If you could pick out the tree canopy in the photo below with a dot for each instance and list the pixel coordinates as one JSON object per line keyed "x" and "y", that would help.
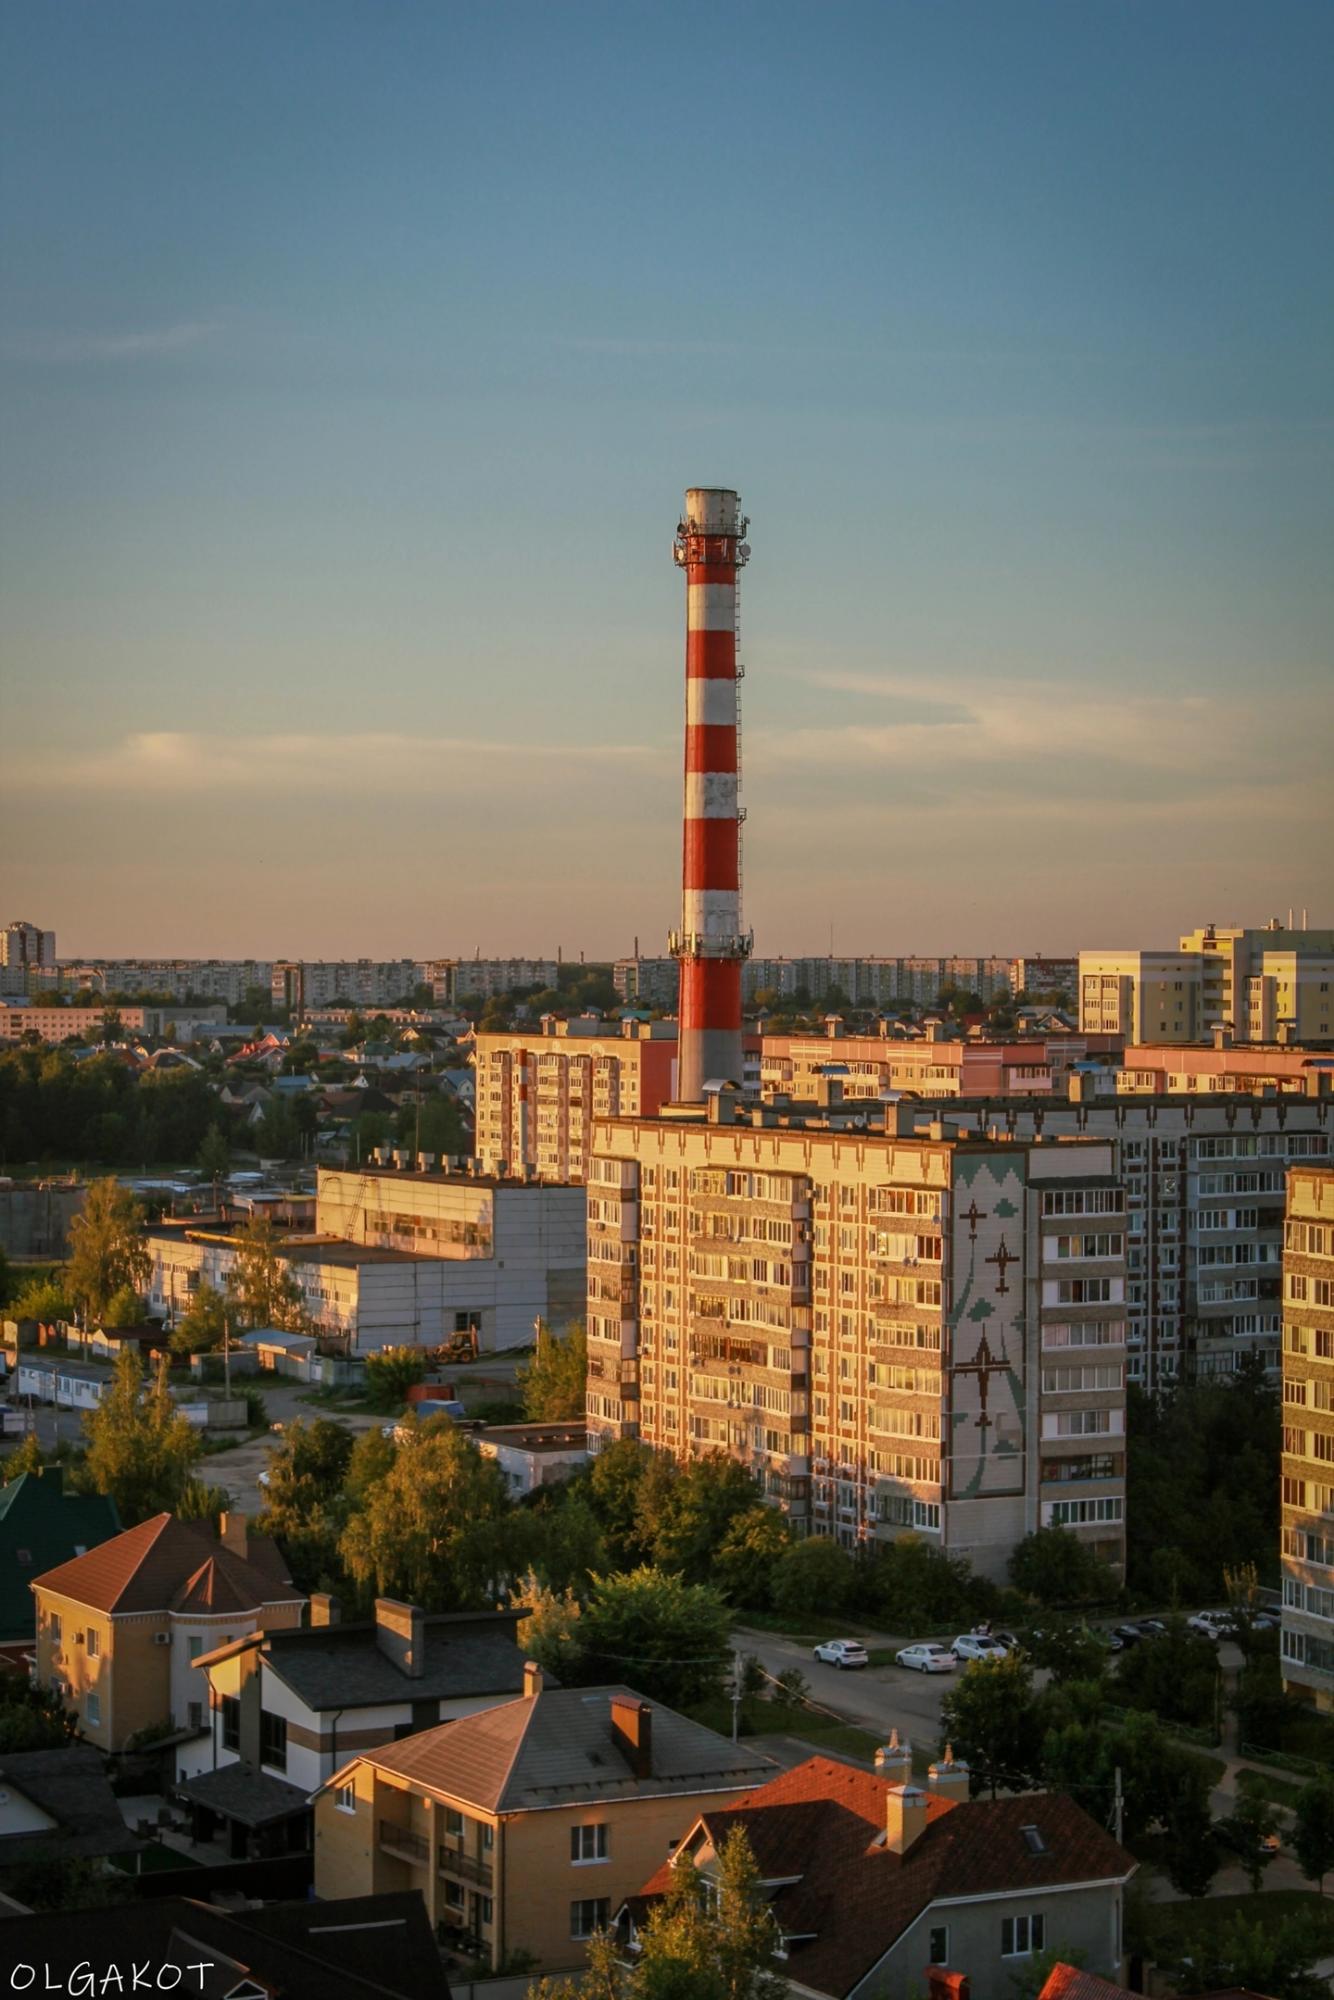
{"x": 140, "y": 1447}
{"x": 553, "y": 1382}
{"x": 108, "y": 1254}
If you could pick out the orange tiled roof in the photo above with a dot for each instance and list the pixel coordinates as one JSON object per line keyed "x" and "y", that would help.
{"x": 166, "y": 1564}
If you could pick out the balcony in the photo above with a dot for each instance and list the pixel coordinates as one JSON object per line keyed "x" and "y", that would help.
{"x": 450, "y": 1862}
{"x": 407, "y": 1846}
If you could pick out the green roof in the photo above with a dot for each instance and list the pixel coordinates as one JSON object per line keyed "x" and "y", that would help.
{"x": 42, "y": 1525}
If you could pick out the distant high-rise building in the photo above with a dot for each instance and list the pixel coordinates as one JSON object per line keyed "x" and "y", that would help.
{"x": 1307, "y": 1494}
{"x": 1275, "y": 984}
{"x": 538, "y": 1090}
{"x": 25, "y": 953}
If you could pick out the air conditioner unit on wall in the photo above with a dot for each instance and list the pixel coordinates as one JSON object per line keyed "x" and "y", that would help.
{"x": 162, "y": 1638}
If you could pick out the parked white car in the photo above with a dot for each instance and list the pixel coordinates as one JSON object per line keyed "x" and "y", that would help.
{"x": 978, "y": 1646}
{"x": 927, "y": 1659}
{"x": 843, "y": 1653}
{"x": 1213, "y": 1624}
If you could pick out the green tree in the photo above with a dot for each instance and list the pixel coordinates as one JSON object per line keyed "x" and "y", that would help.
{"x": 552, "y": 1631}
{"x": 719, "y": 1947}
{"x": 140, "y": 1447}
{"x": 260, "y": 1287}
{"x": 568, "y": 1546}
{"x": 1070, "y": 1651}
{"x": 995, "y": 1723}
{"x": 1054, "y": 1567}
{"x": 28, "y": 1457}
{"x": 431, "y": 1529}
{"x": 214, "y": 1158}
{"x": 391, "y": 1373}
{"x": 124, "y": 1308}
{"x": 553, "y": 1382}
{"x": 306, "y": 1503}
{"x": 1034, "y": 1973}
{"x": 686, "y": 1524}
{"x": 1313, "y": 1829}
{"x": 1274, "y": 1955}
{"x": 107, "y": 1248}
{"x": 202, "y": 1327}
{"x": 43, "y": 1299}
{"x": 664, "y": 1636}
{"x": 614, "y": 1482}
{"x": 913, "y": 1586}
{"x": 812, "y": 1578}
{"x": 1174, "y": 1675}
{"x": 31, "y": 1718}
{"x": 748, "y": 1554}
{"x": 1248, "y": 1830}
{"x": 372, "y": 1459}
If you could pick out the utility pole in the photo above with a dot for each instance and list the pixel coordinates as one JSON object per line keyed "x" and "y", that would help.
{"x": 1118, "y": 1809}
{"x": 736, "y": 1695}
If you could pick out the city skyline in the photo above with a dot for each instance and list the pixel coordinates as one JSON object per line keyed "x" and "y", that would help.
{"x": 1009, "y": 335}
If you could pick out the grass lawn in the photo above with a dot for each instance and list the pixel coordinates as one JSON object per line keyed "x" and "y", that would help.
{"x": 1176, "y": 1926}
{"x": 1268, "y": 1785}
{"x": 807, "y": 1633}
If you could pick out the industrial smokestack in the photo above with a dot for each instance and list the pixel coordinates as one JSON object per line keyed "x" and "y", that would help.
{"x": 710, "y": 945}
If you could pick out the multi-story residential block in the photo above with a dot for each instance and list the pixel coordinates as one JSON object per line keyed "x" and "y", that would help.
{"x": 1249, "y": 1070}
{"x": 647, "y": 982}
{"x": 298, "y": 1704}
{"x": 539, "y": 1090}
{"x": 404, "y": 1256}
{"x": 89, "y": 1024}
{"x": 526, "y": 1827}
{"x": 225, "y": 979}
{"x": 869, "y": 1066}
{"x": 1204, "y": 1179}
{"x": 35, "y": 1216}
{"x": 120, "y": 1628}
{"x": 299, "y": 984}
{"x": 1275, "y": 984}
{"x": 875, "y": 982}
{"x": 1307, "y": 1646}
{"x": 893, "y": 1330}
{"x": 1044, "y": 975}
{"x": 27, "y": 956}
{"x": 873, "y": 1884}
{"x": 484, "y": 978}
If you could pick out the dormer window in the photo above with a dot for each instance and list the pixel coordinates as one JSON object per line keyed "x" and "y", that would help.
{"x": 1033, "y": 1837}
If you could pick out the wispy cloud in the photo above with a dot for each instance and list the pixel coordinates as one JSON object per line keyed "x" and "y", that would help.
{"x": 144, "y": 344}
{"x": 198, "y": 761}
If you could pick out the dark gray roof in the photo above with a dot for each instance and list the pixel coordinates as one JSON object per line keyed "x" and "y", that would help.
{"x": 341, "y": 1666}
{"x": 355, "y": 1948}
{"x": 240, "y": 1792}
{"x": 71, "y": 1787}
{"x": 557, "y": 1748}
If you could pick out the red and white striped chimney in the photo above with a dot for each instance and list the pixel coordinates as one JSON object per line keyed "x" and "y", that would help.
{"x": 710, "y": 944}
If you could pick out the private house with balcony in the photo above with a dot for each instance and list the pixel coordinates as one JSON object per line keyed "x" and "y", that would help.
{"x": 526, "y": 1826}
{"x": 878, "y": 1886}
{"x": 120, "y": 1628}
{"x": 40, "y": 1526}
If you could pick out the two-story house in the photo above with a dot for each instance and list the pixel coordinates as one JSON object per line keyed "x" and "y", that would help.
{"x": 527, "y": 1825}
{"x": 119, "y": 1629}
{"x": 41, "y": 1525}
{"x": 874, "y": 1885}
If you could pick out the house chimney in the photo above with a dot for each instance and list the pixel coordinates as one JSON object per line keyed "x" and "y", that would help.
{"x": 400, "y": 1633}
{"x": 532, "y": 1680}
{"x": 893, "y": 1760}
{"x": 947, "y": 1779}
{"x": 943, "y": 1985}
{"x": 632, "y": 1732}
{"x": 828, "y": 1091}
{"x": 233, "y": 1535}
{"x": 324, "y": 1609}
{"x": 905, "y": 1817}
{"x": 1222, "y": 1035}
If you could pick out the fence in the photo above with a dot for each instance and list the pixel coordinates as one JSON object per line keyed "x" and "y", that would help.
{"x": 1208, "y": 1739}
{"x": 1284, "y": 1760}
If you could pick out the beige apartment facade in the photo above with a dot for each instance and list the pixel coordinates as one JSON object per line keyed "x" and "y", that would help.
{"x": 538, "y": 1092}
{"x": 1269, "y": 985}
{"x": 893, "y": 1331}
{"x": 1307, "y": 1644}
{"x": 526, "y": 1827}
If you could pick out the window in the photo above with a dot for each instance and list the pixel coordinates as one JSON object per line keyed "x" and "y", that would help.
{"x": 588, "y": 1843}
{"x": 94, "y": 1644}
{"x": 483, "y": 1908}
{"x": 1021, "y": 1936}
{"x": 196, "y": 1646}
{"x": 453, "y": 1894}
{"x": 345, "y": 1798}
{"x": 488, "y": 1837}
{"x": 231, "y": 1722}
{"x": 273, "y": 1740}
{"x": 195, "y": 1715}
{"x": 938, "y": 1952}
{"x": 453, "y": 1824}
{"x": 55, "y": 1628}
{"x": 589, "y": 1914}
{"x": 92, "y": 1710}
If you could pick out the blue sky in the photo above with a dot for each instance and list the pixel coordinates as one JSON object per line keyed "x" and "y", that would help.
{"x": 356, "y": 356}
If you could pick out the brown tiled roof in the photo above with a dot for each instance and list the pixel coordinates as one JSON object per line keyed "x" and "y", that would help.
{"x": 165, "y": 1564}
{"x": 1071, "y": 1982}
{"x": 823, "y": 1824}
{"x": 557, "y": 1748}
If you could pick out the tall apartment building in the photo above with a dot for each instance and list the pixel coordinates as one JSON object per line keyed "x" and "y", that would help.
{"x": 25, "y": 953}
{"x": 483, "y": 978}
{"x": 648, "y": 982}
{"x": 1044, "y": 975}
{"x": 1205, "y": 1181}
{"x": 538, "y": 1091}
{"x": 893, "y": 1331}
{"x": 1275, "y": 984}
{"x": 360, "y": 982}
{"x": 1307, "y": 1646}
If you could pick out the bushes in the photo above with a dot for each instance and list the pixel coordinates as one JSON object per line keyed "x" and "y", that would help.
{"x": 390, "y": 1374}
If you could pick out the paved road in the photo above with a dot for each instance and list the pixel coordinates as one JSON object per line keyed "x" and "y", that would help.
{"x": 877, "y": 1698}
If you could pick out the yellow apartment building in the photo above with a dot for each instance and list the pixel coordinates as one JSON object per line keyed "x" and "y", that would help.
{"x": 1307, "y": 1646}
